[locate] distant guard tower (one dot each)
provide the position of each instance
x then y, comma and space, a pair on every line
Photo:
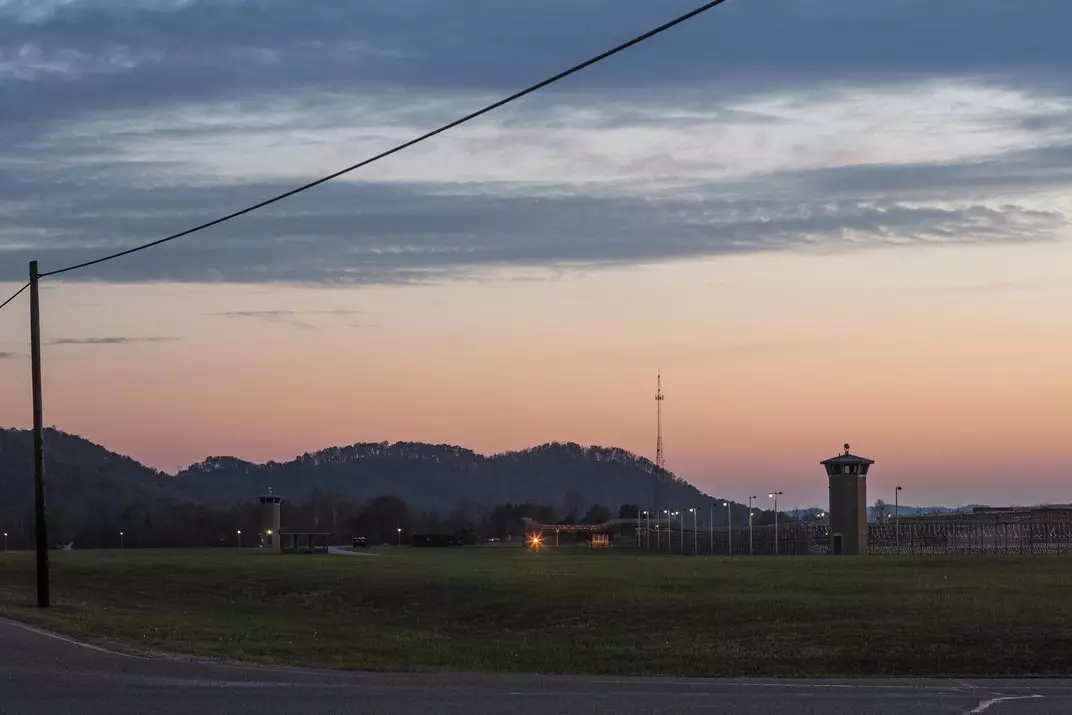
270, 524
848, 502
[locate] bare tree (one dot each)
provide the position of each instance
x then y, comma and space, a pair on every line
881, 508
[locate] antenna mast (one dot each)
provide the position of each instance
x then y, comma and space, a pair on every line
660, 461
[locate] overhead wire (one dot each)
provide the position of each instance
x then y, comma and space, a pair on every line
15, 295
405, 145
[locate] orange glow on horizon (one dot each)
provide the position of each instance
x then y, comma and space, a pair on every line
770, 362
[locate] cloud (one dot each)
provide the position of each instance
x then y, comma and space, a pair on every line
10, 355
990, 288
398, 233
297, 318
85, 56
107, 341
807, 128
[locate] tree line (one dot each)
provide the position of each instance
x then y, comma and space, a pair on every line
191, 525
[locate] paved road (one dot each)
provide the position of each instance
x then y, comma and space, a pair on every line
43, 674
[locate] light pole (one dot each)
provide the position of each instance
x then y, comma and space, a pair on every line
750, 523
695, 531
5, 541
400, 536
239, 535
711, 530
897, 515
774, 496
729, 528
120, 539
681, 524
669, 533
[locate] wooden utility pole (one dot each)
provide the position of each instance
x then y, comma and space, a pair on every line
43, 597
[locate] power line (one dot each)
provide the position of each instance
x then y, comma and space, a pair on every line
13, 297
446, 127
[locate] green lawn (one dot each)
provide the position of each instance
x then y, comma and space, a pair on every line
570, 611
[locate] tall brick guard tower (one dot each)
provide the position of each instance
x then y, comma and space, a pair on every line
848, 502
270, 523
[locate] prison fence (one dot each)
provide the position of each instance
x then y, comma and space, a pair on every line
963, 534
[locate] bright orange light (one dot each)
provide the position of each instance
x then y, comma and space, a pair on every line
537, 542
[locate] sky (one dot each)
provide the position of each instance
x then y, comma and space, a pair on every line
824, 221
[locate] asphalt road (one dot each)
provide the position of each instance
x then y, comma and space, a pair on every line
42, 673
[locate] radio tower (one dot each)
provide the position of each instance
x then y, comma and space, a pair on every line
659, 397
660, 461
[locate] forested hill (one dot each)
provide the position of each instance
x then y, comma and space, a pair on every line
88, 485
440, 477
84, 481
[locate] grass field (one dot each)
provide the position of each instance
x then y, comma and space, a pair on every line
505, 610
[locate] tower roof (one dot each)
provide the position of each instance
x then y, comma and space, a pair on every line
847, 458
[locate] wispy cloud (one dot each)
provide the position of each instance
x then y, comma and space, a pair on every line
747, 131
297, 318
110, 340
991, 287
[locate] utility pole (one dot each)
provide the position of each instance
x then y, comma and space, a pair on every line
44, 599
711, 530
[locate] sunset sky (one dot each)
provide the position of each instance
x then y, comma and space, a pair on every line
822, 220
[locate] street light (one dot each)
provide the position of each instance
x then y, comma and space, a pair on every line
5, 541
120, 539
239, 533
774, 496
681, 523
750, 512
897, 513
400, 536
711, 529
669, 533
729, 528
694, 532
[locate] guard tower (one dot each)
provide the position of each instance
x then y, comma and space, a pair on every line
270, 524
848, 502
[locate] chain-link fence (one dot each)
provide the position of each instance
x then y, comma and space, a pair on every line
1028, 533
792, 537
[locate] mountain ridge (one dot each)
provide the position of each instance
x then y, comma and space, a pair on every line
86, 482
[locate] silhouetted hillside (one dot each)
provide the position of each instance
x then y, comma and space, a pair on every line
440, 477
87, 484
84, 482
